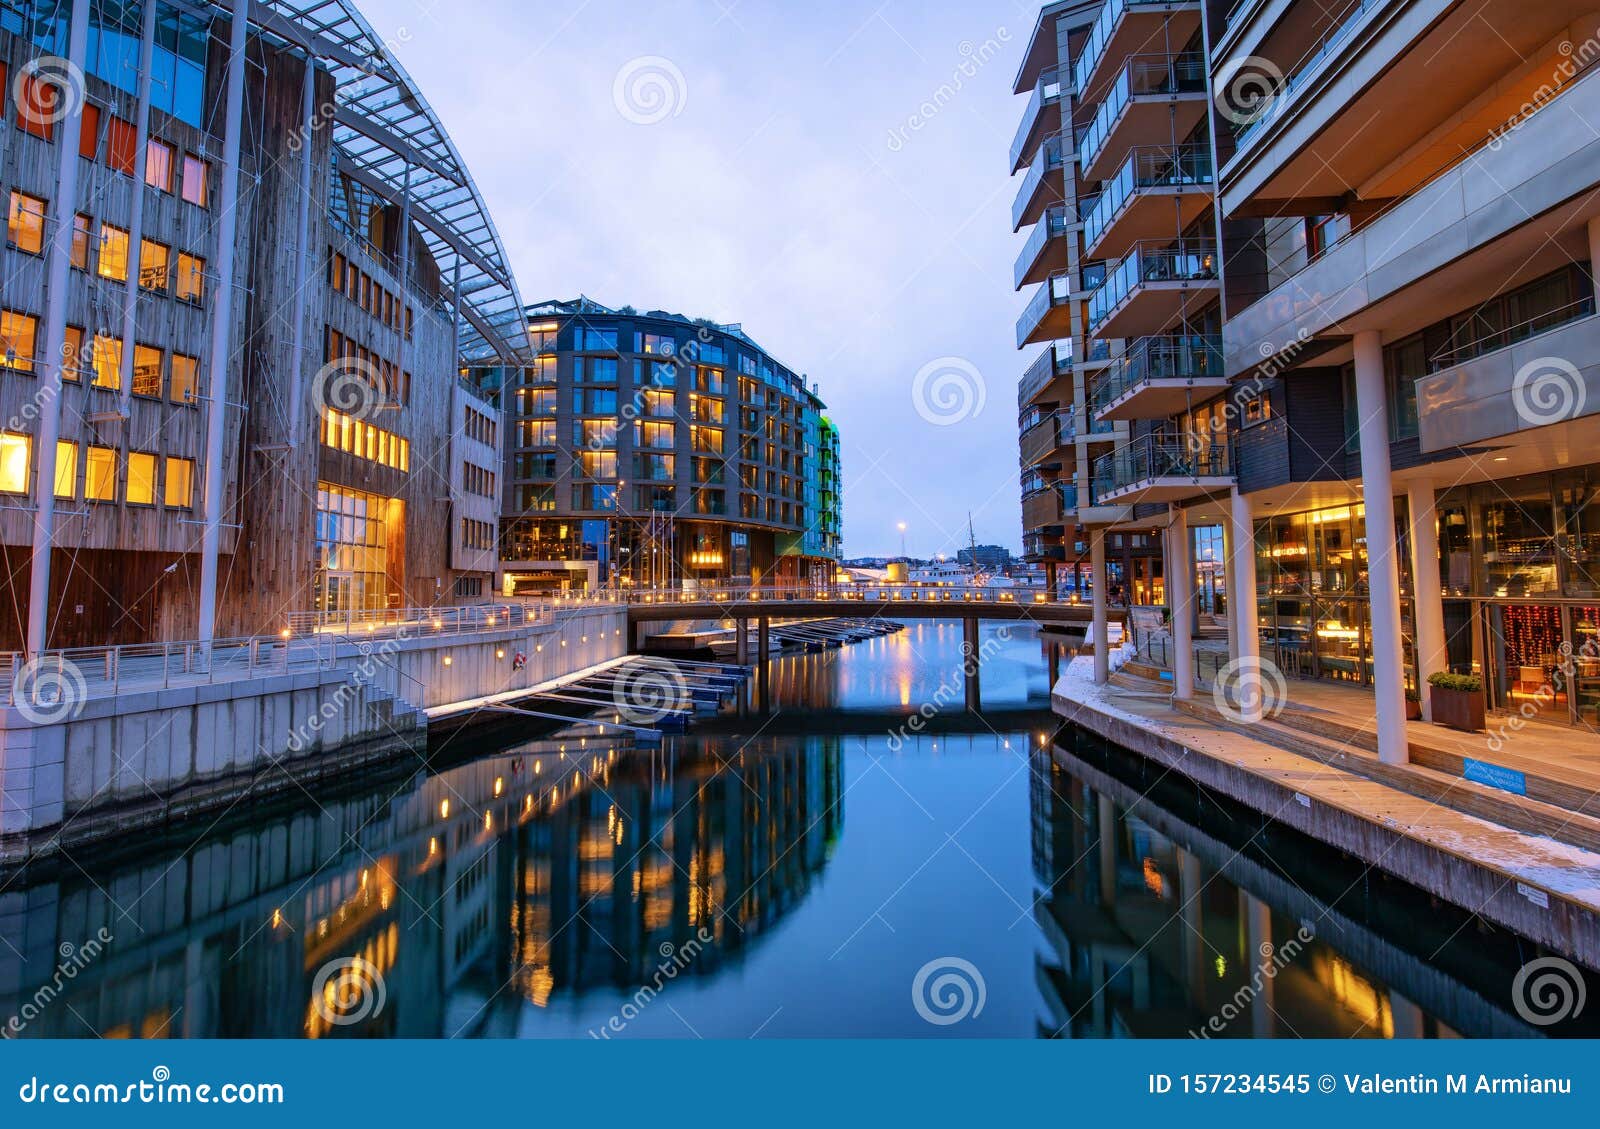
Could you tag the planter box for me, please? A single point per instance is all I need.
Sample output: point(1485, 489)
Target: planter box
point(1413, 710)
point(1457, 709)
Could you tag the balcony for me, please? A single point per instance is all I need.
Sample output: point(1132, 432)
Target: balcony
point(1159, 191)
point(1042, 186)
point(1158, 377)
point(1042, 511)
point(1125, 27)
point(1039, 442)
point(1152, 287)
point(1049, 314)
point(1052, 364)
point(1348, 64)
point(1154, 98)
point(1041, 118)
point(1161, 470)
point(1476, 398)
point(1045, 253)
point(1097, 431)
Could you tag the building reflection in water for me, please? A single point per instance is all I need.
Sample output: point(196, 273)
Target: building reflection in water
point(1168, 925)
point(553, 868)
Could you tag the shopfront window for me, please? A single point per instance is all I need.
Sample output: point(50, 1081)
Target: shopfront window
point(1578, 504)
point(1519, 557)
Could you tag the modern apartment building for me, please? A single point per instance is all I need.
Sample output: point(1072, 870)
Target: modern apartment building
point(244, 264)
point(655, 450)
point(1399, 337)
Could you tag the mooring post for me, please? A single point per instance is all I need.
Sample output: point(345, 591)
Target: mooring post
point(763, 664)
point(969, 661)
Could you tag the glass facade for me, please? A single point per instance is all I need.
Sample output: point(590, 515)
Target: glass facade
point(355, 533)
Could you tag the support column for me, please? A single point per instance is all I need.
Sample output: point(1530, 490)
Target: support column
point(308, 126)
point(1383, 570)
point(63, 210)
point(741, 647)
point(1230, 580)
point(1427, 592)
point(1097, 579)
point(141, 156)
point(763, 663)
point(1180, 569)
point(970, 662)
point(1245, 617)
point(222, 324)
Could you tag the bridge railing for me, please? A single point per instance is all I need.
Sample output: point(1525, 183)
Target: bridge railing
point(865, 594)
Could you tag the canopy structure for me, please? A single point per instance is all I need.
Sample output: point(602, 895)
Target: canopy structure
point(383, 127)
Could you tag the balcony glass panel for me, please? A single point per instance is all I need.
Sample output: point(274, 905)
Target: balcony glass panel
point(1046, 92)
point(1273, 104)
point(1143, 74)
point(1147, 167)
point(1050, 158)
point(1099, 36)
point(1152, 457)
point(1150, 263)
point(1052, 293)
point(1188, 357)
point(1053, 225)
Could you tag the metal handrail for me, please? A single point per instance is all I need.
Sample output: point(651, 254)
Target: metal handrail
point(1147, 167)
point(1297, 72)
point(1141, 75)
point(1149, 458)
point(1152, 261)
point(1162, 357)
point(1452, 355)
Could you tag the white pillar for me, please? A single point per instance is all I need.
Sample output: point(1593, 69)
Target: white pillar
point(1383, 569)
point(1097, 569)
point(141, 156)
point(1427, 592)
point(63, 210)
point(1242, 597)
point(1230, 582)
point(222, 323)
point(1180, 577)
point(308, 113)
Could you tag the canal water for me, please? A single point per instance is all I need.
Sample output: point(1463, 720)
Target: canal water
point(834, 868)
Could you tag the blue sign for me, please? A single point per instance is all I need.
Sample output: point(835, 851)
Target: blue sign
point(1496, 776)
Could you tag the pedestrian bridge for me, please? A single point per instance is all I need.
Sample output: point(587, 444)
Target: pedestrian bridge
point(888, 601)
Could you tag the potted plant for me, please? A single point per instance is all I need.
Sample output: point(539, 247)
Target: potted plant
point(1457, 700)
point(1413, 705)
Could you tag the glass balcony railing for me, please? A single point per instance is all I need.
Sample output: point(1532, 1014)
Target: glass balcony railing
point(1185, 357)
point(1296, 75)
point(1094, 276)
point(1094, 48)
point(1055, 361)
point(1046, 92)
point(1051, 225)
point(1052, 293)
point(1151, 458)
point(1147, 167)
point(1189, 261)
point(1141, 75)
point(1050, 158)
point(1072, 427)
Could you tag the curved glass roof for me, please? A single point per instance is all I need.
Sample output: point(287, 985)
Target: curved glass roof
point(382, 125)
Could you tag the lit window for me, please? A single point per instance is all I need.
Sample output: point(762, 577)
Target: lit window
point(113, 253)
point(141, 478)
point(14, 457)
point(107, 362)
point(184, 378)
point(153, 260)
point(180, 483)
point(72, 365)
point(194, 180)
point(82, 233)
point(18, 333)
point(25, 225)
point(191, 280)
point(158, 165)
point(146, 370)
point(66, 468)
point(100, 477)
